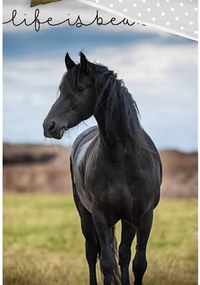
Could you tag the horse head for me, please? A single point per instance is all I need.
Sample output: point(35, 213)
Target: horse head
point(76, 100)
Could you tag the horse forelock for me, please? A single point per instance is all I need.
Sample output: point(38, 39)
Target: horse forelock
point(69, 80)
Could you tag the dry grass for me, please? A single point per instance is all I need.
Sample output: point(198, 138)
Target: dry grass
point(43, 244)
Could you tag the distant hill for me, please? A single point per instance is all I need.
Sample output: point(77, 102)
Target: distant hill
point(45, 168)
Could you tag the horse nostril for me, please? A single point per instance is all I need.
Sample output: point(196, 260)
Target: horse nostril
point(52, 126)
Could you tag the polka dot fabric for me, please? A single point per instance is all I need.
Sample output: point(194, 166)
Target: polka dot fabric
point(175, 16)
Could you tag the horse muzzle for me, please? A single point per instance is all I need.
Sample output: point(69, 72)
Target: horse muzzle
point(53, 130)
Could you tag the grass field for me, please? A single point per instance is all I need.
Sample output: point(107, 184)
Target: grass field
point(43, 243)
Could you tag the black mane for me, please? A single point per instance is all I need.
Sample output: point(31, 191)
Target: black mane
point(114, 98)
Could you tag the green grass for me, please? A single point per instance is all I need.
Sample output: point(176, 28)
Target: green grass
point(43, 243)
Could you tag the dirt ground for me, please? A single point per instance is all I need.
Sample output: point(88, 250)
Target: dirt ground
point(44, 168)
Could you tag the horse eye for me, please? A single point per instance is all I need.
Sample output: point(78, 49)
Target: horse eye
point(80, 89)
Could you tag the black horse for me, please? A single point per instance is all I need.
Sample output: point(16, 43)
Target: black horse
point(115, 168)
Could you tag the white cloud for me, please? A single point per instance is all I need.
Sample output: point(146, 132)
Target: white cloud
point(150, 65)
point(32, 72)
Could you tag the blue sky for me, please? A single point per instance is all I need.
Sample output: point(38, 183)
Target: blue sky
point(159, 69)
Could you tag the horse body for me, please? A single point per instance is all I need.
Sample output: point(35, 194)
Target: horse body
point(119, 184)
point(116, 169)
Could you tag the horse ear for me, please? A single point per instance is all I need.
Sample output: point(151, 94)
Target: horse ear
point(69, 62)
point(84, 63)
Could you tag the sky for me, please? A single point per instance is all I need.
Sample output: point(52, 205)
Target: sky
point(159, 70)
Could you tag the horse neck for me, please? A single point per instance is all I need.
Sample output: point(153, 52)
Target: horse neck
point(116, 115)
